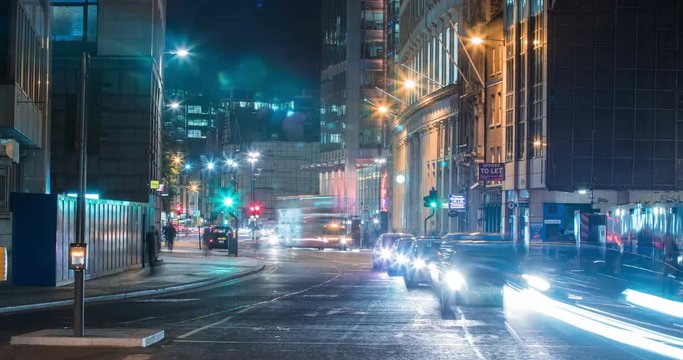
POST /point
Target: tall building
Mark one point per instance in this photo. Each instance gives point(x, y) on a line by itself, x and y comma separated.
point(24, 104)
point(125, 41)
point(277, 173)
point(594, 93)
point(351, 136)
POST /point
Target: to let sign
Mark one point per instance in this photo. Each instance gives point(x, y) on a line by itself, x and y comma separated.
point(492, 172)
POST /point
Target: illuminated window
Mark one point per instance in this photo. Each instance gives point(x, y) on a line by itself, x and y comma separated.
point(195, 134)
point(194, 109)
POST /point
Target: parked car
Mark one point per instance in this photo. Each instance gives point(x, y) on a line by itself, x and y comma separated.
point(219, 236)
point(422, 252)
point(471, 269)
point(383, 250)
point(399, 260)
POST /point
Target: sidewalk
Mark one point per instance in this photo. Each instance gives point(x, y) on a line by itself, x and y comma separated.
point(180, 270)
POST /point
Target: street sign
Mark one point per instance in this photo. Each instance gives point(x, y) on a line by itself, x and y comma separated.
point(511, 205)
point(457, 202)
point(491, 172)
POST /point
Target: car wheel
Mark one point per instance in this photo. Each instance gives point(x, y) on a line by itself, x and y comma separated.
point(447, 301)
point(409, 280)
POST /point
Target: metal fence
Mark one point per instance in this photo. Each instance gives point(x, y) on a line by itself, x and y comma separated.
point(114, 234)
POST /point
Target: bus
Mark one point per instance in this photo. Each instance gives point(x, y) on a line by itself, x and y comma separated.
point(311, 221)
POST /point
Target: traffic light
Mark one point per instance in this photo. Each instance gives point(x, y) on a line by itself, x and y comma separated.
point(255, 210)
point(228, 201)
point(431, 201)
point(179, 209)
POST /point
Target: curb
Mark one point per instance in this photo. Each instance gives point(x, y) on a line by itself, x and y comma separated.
point(127, 295)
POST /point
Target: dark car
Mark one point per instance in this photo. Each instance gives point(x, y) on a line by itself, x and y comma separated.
point(471, 269)
point(219, 236)
point(422, 252)
point(399, 259)
point(382, 253)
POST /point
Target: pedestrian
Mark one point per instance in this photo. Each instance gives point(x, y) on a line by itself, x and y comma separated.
point(150, 245)
point(170, 234)
point(206, 240)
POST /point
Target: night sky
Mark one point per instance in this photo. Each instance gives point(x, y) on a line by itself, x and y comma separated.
point(253, 44)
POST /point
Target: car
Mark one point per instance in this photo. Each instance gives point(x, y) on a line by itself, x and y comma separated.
point(420, 256)
point(219, 236)
point(382, 252)
point(471, 269)
point(399, 260)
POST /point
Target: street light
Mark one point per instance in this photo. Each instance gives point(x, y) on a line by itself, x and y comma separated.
point(210, 165)
point(232, 163)
point(383, 109)
point(174, 105)
point(181, 52)
point(188, 166)
point(476, 40)
point(409, 84)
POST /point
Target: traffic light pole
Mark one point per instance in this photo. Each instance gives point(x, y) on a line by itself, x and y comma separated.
point(427, 219)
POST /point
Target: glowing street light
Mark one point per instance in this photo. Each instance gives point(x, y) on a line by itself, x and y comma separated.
point(254, 154)
point(476, 40)
point(194, 188)
point(409, 84)
point(383, 109)
point(183, 53)
point(231, 163)
point(174, 105)
point(400, 178)
point(210, 165)
point(188, 166)
point(177, 160)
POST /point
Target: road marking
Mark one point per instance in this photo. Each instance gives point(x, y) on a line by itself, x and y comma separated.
point(143, 319)
point(249, 306)
point(321, 295)
point(512, 332)
point(190, 333)
point(468, 336)
point(166, 300)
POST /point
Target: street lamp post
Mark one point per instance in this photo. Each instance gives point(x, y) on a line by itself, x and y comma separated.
point(252, 159)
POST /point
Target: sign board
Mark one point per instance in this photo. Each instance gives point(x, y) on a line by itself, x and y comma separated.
point(523, 205)
point(491, 172)
point(457, 202)
point(154, 184)
point(552, 221)
point(536, 231)
point(511, 205)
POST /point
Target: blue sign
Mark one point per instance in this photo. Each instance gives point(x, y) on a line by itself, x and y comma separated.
point(457, 202)
point(492, 172)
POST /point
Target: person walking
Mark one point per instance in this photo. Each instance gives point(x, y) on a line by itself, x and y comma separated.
point(150, 245)
point(170, 233)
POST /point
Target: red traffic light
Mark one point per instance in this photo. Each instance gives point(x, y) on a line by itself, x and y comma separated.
point(179, 208)
point(257, 208)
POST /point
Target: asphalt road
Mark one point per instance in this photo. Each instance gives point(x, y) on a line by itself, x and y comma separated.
point(311, 304)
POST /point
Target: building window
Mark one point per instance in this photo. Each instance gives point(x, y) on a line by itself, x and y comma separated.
point(335, 138)
point(67, 22)
point(195, 134)
point(372, 50)
point(197, 122)
point(194, 109)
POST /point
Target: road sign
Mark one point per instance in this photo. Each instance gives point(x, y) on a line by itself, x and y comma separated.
point(511, 205)
point(492, 172)
point(457, 202)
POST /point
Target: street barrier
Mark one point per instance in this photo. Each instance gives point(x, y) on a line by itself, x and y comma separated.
point(44, 226)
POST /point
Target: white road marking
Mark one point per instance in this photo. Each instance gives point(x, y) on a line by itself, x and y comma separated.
point(468, 335)
point(190, 333)
point(250, 306)
point(165, 300)
point(143, 319)
point(512, 332)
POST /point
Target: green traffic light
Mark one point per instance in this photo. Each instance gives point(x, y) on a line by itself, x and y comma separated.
point(432, 204)
point(229, 202)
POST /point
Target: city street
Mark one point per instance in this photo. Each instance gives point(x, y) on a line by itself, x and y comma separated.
point(312, 304)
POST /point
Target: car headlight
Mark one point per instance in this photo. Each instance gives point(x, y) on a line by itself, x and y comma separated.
point(385, 254)
point(402, 259)
point(454, 280)
point(536, 282)
point(419, 264)
point(272, 238)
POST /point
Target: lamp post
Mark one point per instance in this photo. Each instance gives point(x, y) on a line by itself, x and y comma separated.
point(252, 159)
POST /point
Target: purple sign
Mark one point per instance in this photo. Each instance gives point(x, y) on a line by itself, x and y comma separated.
point(492, 172)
